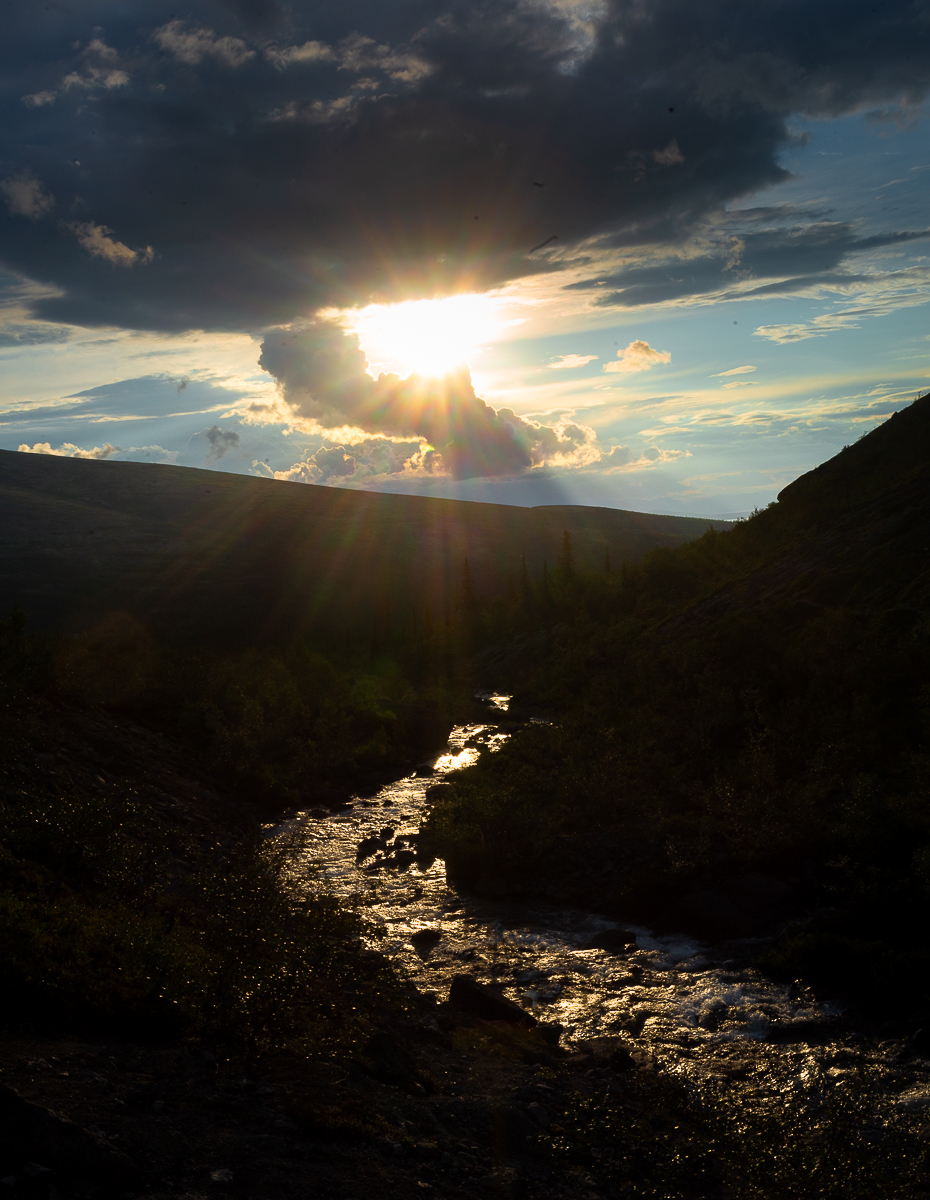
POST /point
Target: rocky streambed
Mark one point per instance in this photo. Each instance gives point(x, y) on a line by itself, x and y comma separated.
point(698, 1012)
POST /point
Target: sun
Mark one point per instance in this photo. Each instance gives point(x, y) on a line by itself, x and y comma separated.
point(425, 337)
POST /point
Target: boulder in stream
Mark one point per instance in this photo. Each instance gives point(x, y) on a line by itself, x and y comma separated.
point(467, 994)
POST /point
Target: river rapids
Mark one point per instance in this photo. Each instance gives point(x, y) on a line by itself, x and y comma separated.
point(700, 1012)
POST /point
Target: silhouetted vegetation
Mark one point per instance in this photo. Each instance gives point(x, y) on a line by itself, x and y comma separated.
point(755, 700)
point(659, 1140)
point(117, 913)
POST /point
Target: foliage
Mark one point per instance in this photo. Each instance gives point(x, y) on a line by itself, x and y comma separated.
point(277, 724)
point(750, 701)
point(658, 1140)
point(103, 921)
point(112, 914)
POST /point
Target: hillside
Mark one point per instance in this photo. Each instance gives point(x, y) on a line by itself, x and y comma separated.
point(203, 555)
point(739, 741)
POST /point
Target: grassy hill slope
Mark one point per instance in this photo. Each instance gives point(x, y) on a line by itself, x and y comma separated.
point(205, 555)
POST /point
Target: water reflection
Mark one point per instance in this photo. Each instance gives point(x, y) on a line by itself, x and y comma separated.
point(697, 1010)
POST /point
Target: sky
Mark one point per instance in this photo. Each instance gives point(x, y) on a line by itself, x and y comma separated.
point(657, 256)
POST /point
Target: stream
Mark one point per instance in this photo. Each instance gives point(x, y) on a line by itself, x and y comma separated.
point(698, 1011)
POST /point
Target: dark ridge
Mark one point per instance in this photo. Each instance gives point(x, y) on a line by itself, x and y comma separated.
point(207, 555)
point(888, 458)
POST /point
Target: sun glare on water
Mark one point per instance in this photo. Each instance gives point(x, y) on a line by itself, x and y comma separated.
point(425, 337)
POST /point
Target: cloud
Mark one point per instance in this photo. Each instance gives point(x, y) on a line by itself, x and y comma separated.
point(309, 52)
point(670, 156)
point(739, 263)
point(221, 441)
point(96, 240)
point(443, 424)
point(26, 196)
point(192, 46)
point(94, 77)
point(324, 377)
point(69, 450)
point(638, 356)
point(622, 458)
point(285, 159)
point(878, 296)
point(38, 99)
point(747, 370)
point(568, 362)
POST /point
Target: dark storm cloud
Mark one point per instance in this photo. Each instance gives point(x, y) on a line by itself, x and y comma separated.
point(798, 258)
point(234, 165)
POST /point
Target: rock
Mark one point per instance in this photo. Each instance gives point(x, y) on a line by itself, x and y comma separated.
point(37, 1171)
point(426, 937)
point(615, 940)
point(611, 1052)
point(401, 858)
point(551, 1031)
point(621, 1060)
point(367, 847)
point(27, 1129)
point(467, 994)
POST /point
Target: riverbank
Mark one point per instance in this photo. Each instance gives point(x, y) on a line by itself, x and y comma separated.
point(420, 1094)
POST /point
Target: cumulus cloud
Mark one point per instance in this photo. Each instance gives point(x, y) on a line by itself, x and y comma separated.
point(638, 356)
point(69, 450)
point(284, 159)
point(96, 240)
point(567, 362)
point(442, 425)
point(26, 196)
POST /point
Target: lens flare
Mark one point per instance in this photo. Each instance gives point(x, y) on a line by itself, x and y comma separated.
point(425, 337)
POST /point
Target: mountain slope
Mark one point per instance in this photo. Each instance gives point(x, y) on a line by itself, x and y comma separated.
point(741, 733)
point(202, 554)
